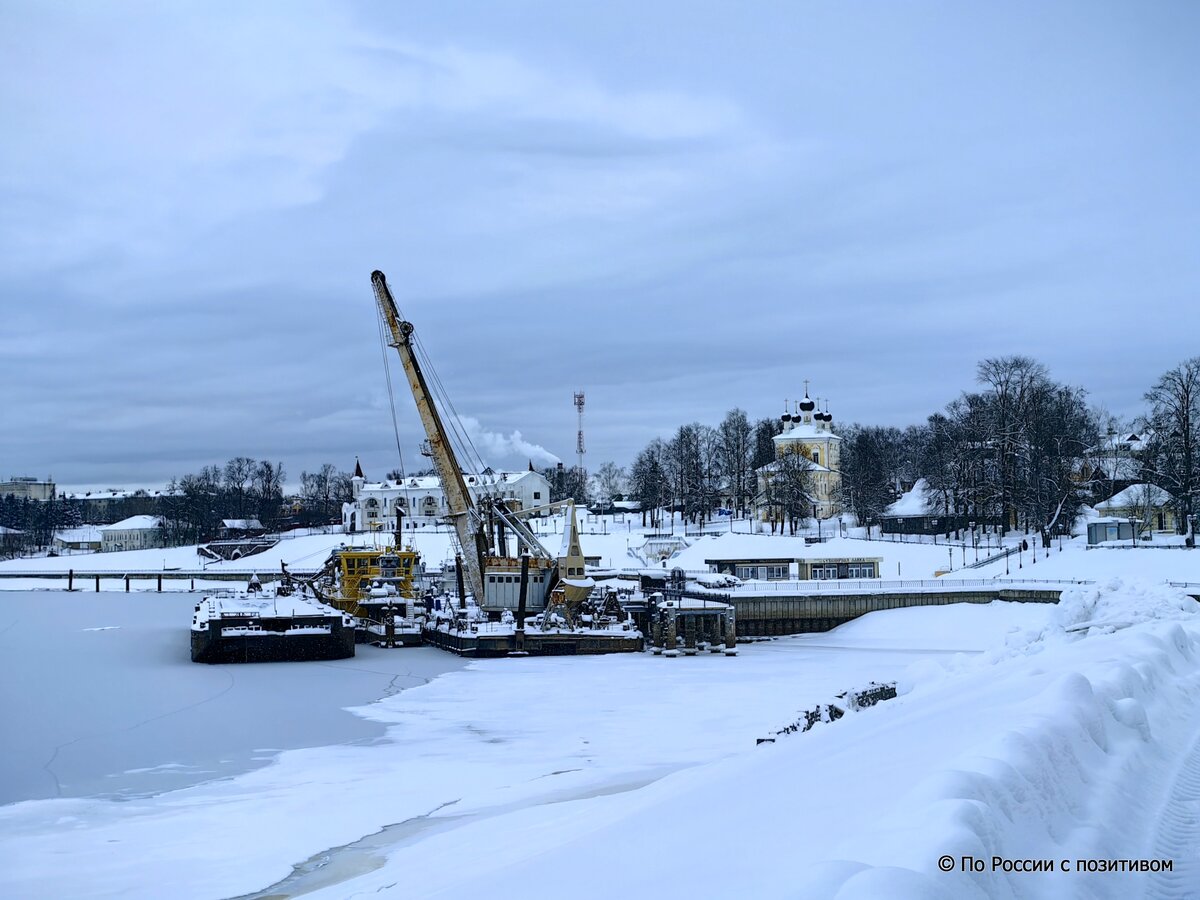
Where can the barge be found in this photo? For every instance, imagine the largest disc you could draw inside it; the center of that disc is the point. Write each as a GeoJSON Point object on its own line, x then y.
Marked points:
{"type": "Point", "coordinates": [597, 628]}
{"type": "Point", "coordinates": [269, 625]}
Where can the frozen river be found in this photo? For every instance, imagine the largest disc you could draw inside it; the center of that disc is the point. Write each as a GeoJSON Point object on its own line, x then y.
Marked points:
{"type": "Point", "coordinates": [120, 720]}
{"type": "Point", "coordinates": [100, 698]}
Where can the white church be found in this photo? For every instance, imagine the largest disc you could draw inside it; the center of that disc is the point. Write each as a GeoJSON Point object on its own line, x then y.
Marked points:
{"type": "Point", "coordinates": [809, 432]}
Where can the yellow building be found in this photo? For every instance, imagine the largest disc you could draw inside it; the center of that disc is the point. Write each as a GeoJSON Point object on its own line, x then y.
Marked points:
{"type": "Point", "coordinates": [809, 432]}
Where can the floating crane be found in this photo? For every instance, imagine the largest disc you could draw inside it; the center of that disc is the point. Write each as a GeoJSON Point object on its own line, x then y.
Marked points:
{"type": "Point", "coordinates": [482, 528]}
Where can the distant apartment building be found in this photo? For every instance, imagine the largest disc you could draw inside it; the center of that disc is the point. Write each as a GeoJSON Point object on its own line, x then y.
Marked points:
{"type": "Point", "coordinates": [134, 533]}
{"type": "Point", "coordinates": [26, 487]}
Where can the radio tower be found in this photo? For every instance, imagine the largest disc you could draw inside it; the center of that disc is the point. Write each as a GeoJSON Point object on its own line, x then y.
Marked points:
{"type": "Point", "coordinates": [579, 400]}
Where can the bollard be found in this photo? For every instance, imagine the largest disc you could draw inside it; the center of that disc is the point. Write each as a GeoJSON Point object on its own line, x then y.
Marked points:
{"type": "Point", "coordinates": [160, 582]}
{"type": "Point", "coordinates": [127, 584]}
{"type": "Point", "coordinates": [70, 579]}
{"type": "Point", "coordinates": [193, 584]}
{"type": "Point", "coordinates": [522, 599]}
{"type": "Point", "coordinates": [97, 582]}
{"type": "Point", "coordinates": [462, 591]}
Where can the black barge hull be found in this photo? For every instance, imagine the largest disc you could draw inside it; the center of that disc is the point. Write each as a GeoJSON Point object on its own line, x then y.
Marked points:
{"type": "Point", "coordinates": [213, 647]}
{"type": "Point", "coordinates": [565, 644]}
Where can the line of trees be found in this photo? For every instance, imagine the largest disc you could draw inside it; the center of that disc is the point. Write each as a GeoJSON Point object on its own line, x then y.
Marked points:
{"type": "Point", "coordinates": [701, 469]}
{"type": "Point", "coordinates": [192, 507]}
{"type": "Point", "coordinates": [195, 505]}
{"type": "Point", "coordinates": [1016, 452]}
{"type": "Point", "coordinates": [1020, 451]}
{"type": "Point", "coordinates": [33, 522]}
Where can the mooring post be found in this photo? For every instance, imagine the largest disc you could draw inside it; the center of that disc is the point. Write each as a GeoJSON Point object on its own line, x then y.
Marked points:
{"type": "Point", "coordinates": [462, 591]}
{"type": "Point", "coordinates": [97, 582]}
{"type": "Point", "coordinates": [70, 579]}
{"type": "Point", "coordinates": [160, 582]}
{"type": "Point", "coordinates": [689, 635]}
{"type": "Point", "coordinates": [193, 584]}
{"type": "Point", "coordinates": [522, 599]}
{"type": "Point", "coordinates": [127, 584]}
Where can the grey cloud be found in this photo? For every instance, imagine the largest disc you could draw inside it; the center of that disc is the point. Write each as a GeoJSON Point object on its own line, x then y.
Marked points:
{"type": "Point", "coordinates": [678, 226]}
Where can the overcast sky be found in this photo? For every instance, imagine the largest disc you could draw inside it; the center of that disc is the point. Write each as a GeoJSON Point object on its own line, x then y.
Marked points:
{"type": "Point", "coordinates": [677, 207]}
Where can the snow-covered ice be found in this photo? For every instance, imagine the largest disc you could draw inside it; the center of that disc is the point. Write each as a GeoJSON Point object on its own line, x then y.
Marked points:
{"type": "Point", "coordinates": [100, 697]}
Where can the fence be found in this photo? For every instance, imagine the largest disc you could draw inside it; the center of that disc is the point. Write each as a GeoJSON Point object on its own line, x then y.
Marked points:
{"type": "Point", "coordinates": [845, 585]}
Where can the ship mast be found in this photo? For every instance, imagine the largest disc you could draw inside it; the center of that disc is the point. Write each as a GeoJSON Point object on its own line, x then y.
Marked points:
{"type": "Point", "coordinates": [463, 515]}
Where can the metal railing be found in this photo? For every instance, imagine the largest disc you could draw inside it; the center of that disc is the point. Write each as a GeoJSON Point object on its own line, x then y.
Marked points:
{"type": "Point", "coordinates": [830, 586]}
{"type": "Point", "coordinates": [995, 557]}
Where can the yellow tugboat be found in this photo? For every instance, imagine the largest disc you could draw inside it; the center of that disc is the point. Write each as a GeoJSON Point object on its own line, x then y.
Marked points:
{"type": "Point", "coordinates": [377, 587]}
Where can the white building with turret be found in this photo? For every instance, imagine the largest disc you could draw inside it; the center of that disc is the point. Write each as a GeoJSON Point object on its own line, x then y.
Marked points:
{"type": "Point", "coordinates": [809, 432]}
{"type": "Point", "coordinates": [419, 500]}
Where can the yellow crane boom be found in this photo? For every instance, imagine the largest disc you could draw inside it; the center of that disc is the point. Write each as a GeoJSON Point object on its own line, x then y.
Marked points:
{"type": "Point", "coordinates": [462, 515]}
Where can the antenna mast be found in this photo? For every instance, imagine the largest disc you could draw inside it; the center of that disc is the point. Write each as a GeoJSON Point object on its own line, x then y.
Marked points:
{"type": "Point", "coordinates": [579, 401]}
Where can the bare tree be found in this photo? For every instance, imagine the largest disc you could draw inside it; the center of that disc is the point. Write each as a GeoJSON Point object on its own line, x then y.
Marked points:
{"type": "Point", "coordinates": [1010, 380]}
{"type": "Point", "coordinates": [238, 473]}
{"type": "Point", "coordinates": [788, 491]}
{"type": "Point", "coordinates": [874, 460]}
{"type": "Point", "coordinates": [1144, 501]}
{"type": "Point", "coordinates": [736, 457]}
{"type": "Point", "coordinates": [648, 481]}
{"type": "Point", "coordinates": [267, 488]}
{"type": "Point", "coordinates": [1173, 424]}
{"type": "Point", "coordinates": [609, 481]}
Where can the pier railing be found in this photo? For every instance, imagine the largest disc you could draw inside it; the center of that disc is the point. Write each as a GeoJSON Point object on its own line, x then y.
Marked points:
{"type": "Point", "coordinates": [845, 585]}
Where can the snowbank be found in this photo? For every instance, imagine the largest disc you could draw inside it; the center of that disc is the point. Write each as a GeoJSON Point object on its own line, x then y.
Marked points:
{"type": "Point", "coordinates": [1117, 603]}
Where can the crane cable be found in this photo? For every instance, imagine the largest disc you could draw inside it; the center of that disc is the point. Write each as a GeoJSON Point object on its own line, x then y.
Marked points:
{"type": "Point", "coordinates": [457, 432]}
{"type": "Point", "coordinates": [387, 373]}
{"type": "Point", "coordinates": [462, 445]}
